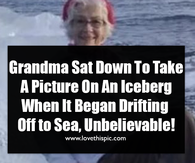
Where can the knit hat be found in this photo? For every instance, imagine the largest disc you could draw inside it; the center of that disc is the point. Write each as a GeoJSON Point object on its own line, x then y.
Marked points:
{"type": "Point", "coordinates": [109, 8]}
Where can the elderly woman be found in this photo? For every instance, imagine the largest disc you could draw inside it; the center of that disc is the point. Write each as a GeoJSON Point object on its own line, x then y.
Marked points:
{"type": "Point", "coordinates": [88, 22]}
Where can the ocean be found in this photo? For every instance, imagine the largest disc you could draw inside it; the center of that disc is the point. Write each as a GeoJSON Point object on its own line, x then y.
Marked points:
{"type": "Point", "coordinates": [140, 22]}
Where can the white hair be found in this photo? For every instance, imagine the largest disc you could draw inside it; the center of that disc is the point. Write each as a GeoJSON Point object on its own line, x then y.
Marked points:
{"type": "Point", "coordinates": [72, 9]}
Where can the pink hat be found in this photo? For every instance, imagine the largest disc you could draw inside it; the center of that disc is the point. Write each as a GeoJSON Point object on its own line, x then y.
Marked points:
{"type": "Point", "coordinates": [109, 8]}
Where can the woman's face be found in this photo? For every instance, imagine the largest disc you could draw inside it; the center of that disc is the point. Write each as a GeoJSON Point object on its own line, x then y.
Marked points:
{"type": "Point", "coordinates": [88, 25]}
